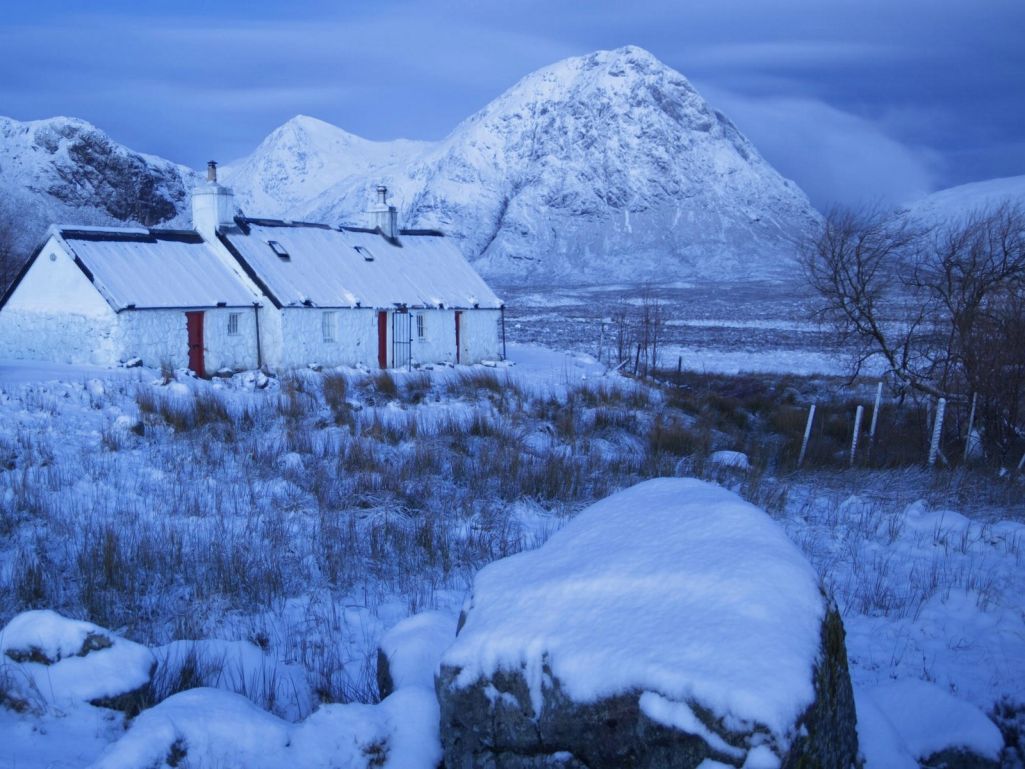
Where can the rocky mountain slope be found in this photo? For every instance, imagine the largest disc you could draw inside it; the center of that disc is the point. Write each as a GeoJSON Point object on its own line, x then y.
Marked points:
{"type": "Point", "coordinates": [66, 170]}
{"type": "Point", "coordinates": [606, 167]}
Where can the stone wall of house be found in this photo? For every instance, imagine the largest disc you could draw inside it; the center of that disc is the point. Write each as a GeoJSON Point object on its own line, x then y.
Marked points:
{"type": "Point", "coordinates": [59, 337]}
{"type": "Point", "coordinates": [480, 335]}
{"type": "Point", "coordinates": [354, 337]}
{"type": "Point", "coordinates": [232, 351]}
{"type": "Point", "coordinates": [438, 343]}
{"type": "Point", "coordinates": [160, 337]}
{"type": "Point", "coordinates": [56, 314]}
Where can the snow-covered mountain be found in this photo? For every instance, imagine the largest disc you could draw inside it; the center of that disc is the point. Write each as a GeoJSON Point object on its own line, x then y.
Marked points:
{"type": "Point", "coordinates": [955, 203]}
{"type": "Point", "coordinates": [66, 170]}
{"type": "Point", "coordinates": [305, 157]}
{"type": "Point", "coordinates": [602, 168]}
{"type": "Point", "coordinates": [606, 167]}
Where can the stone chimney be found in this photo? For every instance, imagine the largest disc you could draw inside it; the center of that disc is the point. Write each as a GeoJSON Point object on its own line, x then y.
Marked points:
{"type": "Point", "coordinates": [213, 206]}
{"type": "Point", "coordinates": [382, 216]}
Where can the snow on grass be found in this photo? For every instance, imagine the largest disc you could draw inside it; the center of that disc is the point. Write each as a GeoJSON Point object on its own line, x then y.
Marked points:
{"type": "Point", "coordinates": [906, 721]}
{"type": "Point", "coordinates": [310, 513]}
{"type": "Point", "coordinates": [674, 586]}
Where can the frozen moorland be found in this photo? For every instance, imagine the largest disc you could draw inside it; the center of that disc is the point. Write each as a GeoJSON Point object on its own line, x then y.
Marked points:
{"type": "Point", "coordinates": [262, 535]}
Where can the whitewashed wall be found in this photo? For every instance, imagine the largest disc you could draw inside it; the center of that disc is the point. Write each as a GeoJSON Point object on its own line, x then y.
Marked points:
{"type": "Point", "coordinates": [480, 335]}
{"type": "Point", "coordinates": [303, 338]}
{"type": "Point", "coordinates": [271, 320]}
{"type": "Point", "coordinates": [61, 338]}
{"type": "Point", "coordinates": [161, 336]}
{"type": "Point", "coordinates": [224, 350]}
{"type": "Point", "coordinates": [439, 342]}
{"type": "Point", "coordinates": [57, 314]}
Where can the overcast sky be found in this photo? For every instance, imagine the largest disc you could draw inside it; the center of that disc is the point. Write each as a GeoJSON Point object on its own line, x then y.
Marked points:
{"type": "Point", "coordinates": [873, 100]}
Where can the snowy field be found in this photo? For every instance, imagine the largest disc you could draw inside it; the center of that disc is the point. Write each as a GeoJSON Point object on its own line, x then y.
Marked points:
{"type": "Point", "coordinates": [720, 328]}
{"type": "Point", "coordinates": [260, 536]}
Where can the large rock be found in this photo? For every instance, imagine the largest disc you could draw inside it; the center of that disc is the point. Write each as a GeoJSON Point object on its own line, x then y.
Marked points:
{"type": "Point", "coordinates": [53, 660]}
{"type": "Point", "coordinates": [667, 625]}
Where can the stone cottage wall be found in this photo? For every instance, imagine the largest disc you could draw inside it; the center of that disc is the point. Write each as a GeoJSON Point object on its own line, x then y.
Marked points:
{"type": "Point", "coordinates": [56, 314]}
{"type": "Point", "coordinates": [355, 337]}
{"type": "Point", "coordinates": [160, 337]}
{"type": "Point", "coordinates": [480, 335]}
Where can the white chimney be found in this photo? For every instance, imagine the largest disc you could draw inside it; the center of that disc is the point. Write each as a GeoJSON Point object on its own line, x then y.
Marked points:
{"type": "Point", "coordinates": [382, 216]}
{"type": "Point", "coordinates": [213, 206]}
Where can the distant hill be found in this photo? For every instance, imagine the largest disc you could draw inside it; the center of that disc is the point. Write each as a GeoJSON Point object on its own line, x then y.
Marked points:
{"type": "Point", "coordinates": [955, 203]}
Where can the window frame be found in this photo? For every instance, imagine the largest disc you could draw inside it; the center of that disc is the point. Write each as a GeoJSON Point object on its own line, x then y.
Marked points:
{"type": "Point", "coordinates": [329, 327]}
{"type": "Point", "coordinates": [233, 323]}
{"type": "Point", "coordinates": [421, 327]}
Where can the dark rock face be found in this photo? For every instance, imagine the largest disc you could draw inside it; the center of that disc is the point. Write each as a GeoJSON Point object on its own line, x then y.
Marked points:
{"type": "Point", "coordinates": [124, 184]}
{"type": "Point", "coordinates": [492, 725]}
{"type": "Point", "coordinates": [66, 170]}
{"type": "Point", "coordinates": [385, 683]}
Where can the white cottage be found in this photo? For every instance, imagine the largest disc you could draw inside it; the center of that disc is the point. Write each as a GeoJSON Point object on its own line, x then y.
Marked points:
{"type": "Point", "coordinates": [240, 292]}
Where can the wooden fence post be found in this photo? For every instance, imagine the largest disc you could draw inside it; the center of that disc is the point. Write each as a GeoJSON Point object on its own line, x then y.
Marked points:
{"type": "Point", "coordinates": [971, 426]}
{"type": "Point", "coordinates": [875, 412]}
{"type": "Point", "coordinates": [937, 429]}
{"type": "Point", "coordinates": [807, 435]}
{"type": "Point", "coordinates": [858, 414]}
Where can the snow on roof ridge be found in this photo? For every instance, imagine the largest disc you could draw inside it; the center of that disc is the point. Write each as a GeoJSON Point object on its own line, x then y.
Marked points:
{"type": "Point", "coordinates": [99, 228]}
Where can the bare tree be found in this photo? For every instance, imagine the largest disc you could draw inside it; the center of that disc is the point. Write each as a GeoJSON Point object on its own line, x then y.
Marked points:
{"type": "Point", "coordinates": [634, 333]}
{"type": "Point", "coordinates": [944, 309]}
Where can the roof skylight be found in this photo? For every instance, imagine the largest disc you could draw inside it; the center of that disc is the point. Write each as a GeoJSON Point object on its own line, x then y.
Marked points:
{"type": "Point", "coordinates": [279, 249]}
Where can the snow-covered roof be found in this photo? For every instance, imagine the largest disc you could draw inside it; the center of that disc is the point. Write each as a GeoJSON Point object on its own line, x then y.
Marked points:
{"type": "Point", "coordinates": [150, 269]}
{"type": "Point", "coordinates": [302, 264]}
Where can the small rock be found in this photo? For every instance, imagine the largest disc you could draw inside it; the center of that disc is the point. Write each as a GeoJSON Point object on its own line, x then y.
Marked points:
{"type": "Point", "coordinates": [67, 661]}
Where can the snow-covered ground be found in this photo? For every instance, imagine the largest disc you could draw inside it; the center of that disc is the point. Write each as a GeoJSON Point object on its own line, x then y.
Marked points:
{"type": "Point", "coordinates": [286, 524]}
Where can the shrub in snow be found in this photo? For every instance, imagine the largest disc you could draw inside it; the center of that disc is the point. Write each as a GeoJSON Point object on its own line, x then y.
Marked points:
{"type": "Point", "coordinates": [670, 624]}
{"type": "Point", "coordinates": [64, 662]}
{"type": "Point", "coordinates": [733, 459]}
{"type": "Point", "coordinates": [408, 654]}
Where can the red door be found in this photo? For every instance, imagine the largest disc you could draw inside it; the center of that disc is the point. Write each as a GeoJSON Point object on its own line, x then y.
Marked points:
{"type": "Point", "coordinates": [382, 339]}
{"type": "Point", "coordinates": [459, 316]}
{"type": "Point", "coordinates": [194, 325]}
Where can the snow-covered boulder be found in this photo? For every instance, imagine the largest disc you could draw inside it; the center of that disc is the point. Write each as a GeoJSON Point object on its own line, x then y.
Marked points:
{"type": "Point", "coordinates": [669, 624]}
{"type": "Point", "coordinates": [908, 723]}
{"type": "Point", "coordinates": [62, 661]}
{"type": "Point", "coordinates": [215, 729]}
{"type": "Point", "coordinates": [408, 654]}
{"type": "Point", "coordinates": [199, 728]}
